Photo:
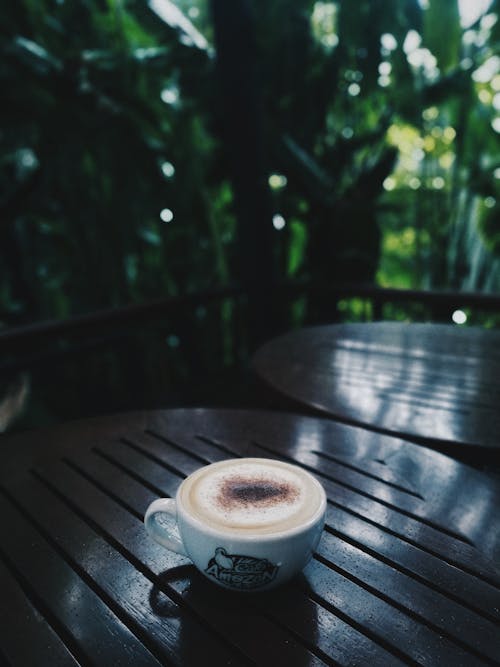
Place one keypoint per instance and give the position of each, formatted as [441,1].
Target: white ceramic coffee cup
[242,559]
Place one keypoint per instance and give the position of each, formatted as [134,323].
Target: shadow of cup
[250,624]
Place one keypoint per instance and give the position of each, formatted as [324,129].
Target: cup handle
[168,536]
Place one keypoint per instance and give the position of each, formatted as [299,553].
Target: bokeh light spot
[278,221]
[166,215]
[459,317]
[277,181]
[168,169]
[389,183]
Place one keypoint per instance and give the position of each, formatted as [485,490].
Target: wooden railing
[102,321]
[438,301]
[115,321]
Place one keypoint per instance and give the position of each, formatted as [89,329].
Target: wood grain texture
[401,576]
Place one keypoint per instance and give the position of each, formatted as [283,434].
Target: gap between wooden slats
[91,472]
[117,533]
[135,463]
[407,506]
[437,543]
[342,483]
[24,628]
[447,547]
[420,580]
[161,634]
[366,473]
[277,454]
[358,641]
[135,466]
[105,634]
[471,632]
[460,587]
[372,614]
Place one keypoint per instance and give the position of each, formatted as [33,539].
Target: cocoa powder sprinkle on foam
[241,492]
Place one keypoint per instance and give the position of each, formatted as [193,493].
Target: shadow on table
[253,624]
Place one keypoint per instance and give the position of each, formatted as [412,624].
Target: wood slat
[30,629]
[333,633]
[125,588]
[414,597]
[427,380]
[410,529]
[92,632]
[431,570]
[425,604]
[295,611]
[416,641]
[425,536]
[128,535]
[396,579]
[400,553]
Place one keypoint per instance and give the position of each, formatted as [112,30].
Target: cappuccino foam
[257,495]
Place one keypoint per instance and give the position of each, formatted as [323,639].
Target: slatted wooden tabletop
[426,380]
[405,572]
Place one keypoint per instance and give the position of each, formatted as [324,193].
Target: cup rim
[240,535]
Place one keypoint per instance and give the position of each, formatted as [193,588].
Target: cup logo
[243,572]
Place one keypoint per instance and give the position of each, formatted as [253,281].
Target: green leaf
[298,243]
[168,12]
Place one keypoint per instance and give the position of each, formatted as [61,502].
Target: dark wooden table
[404,574]
[425,380]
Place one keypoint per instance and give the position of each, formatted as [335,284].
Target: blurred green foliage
[97,142]
[380,128]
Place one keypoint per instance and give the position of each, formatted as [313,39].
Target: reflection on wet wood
[426,380]
[404,573]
